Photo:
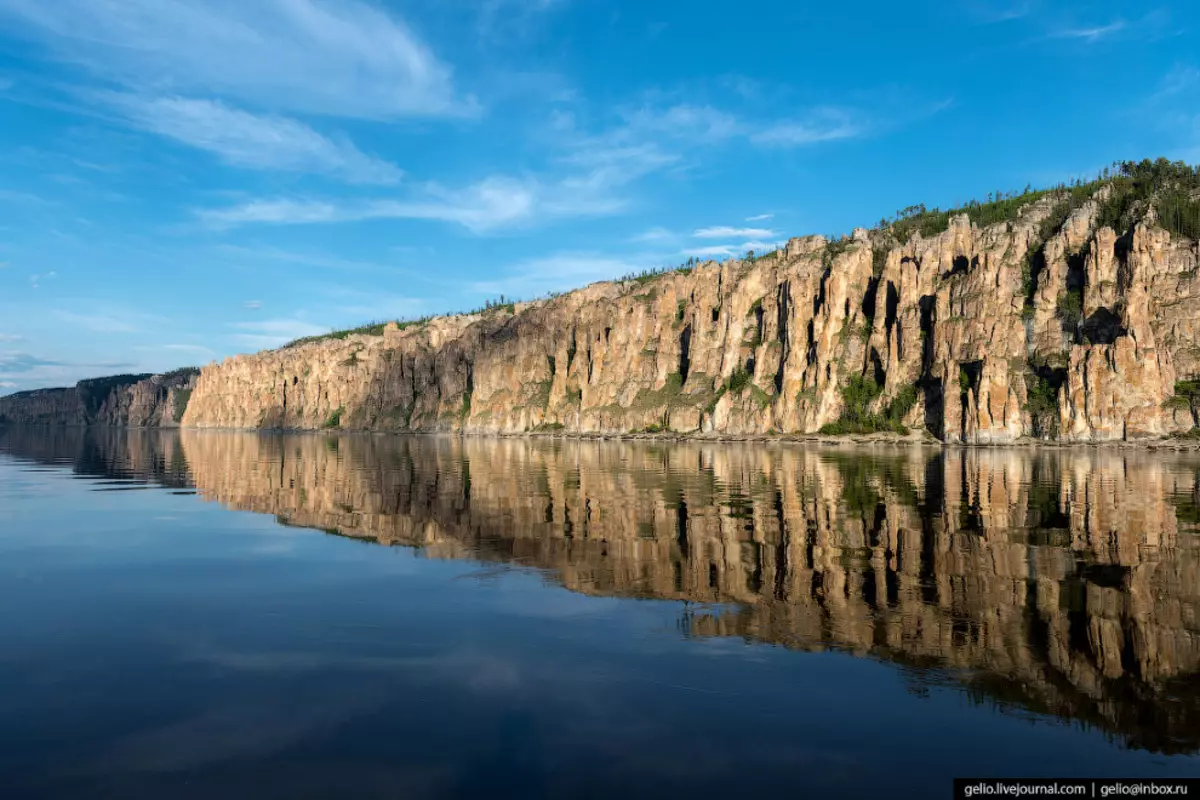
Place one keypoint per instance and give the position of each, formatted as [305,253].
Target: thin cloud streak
[725,232]
[337,57]
[252,141]
[1091,34]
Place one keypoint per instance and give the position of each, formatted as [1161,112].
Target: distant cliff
[1069,314]
[139,401]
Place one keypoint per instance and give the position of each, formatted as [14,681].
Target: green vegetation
[181,399]
[182,372]
[94,391]
[680,311]
[548,427]
[352,361]
[762,398]
[334,420]
[711,406]
[1070,308]
[738,381]
[835,248]
[1172,187]
[878,260]
[858,395]
[647,275]
[541,394]
[1042,385]
[1187,395]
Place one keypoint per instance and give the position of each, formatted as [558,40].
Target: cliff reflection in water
[1065,583]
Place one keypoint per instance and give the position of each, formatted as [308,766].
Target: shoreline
[1177,444]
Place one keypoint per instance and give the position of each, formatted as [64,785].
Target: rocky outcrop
[1064,583]
[970,322]
[139,401]
[1044,324]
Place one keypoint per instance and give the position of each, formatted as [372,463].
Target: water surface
[204,614]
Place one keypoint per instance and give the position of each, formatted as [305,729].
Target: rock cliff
[138,401]
[1068,314]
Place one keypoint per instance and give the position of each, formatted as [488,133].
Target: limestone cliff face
[139,401]
[971,321]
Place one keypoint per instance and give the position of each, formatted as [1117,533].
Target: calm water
[234,615]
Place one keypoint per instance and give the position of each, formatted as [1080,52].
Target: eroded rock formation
[137,401]
[1045,324]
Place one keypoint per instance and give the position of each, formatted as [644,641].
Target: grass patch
[334,420]
[858,395]
[181,399]
[738,381]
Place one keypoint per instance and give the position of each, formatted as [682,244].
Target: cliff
[1068,314]
[1064,583]
[139,401]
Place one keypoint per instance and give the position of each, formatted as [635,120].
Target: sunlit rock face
[1047,325]
[958,321]
[1063,582]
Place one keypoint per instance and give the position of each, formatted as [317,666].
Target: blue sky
[187,179]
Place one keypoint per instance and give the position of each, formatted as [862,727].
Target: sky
[184,180]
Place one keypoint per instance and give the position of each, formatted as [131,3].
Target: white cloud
[7,385]
[1090,34]
[707,252]
[653,235]
[37,280]
[760,218]
[247,140]
[821,125]
[253,305]
[732,250]
[492,203]
[100,323]
[275,332]
[11,337]
[560,272]
[725,232]
[340,57]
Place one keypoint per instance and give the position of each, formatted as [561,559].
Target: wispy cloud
[7,385]
[13,362]
[989,13]
[731,250]
[339,57]
[99,323]
[494,202]
[241,139]
[38,279]
[559,272]
[653,235]
[274,332]
[253,305]
[1090,34]
[11,337]
[820,125]
[725,232]
[708,252]
[760,218]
